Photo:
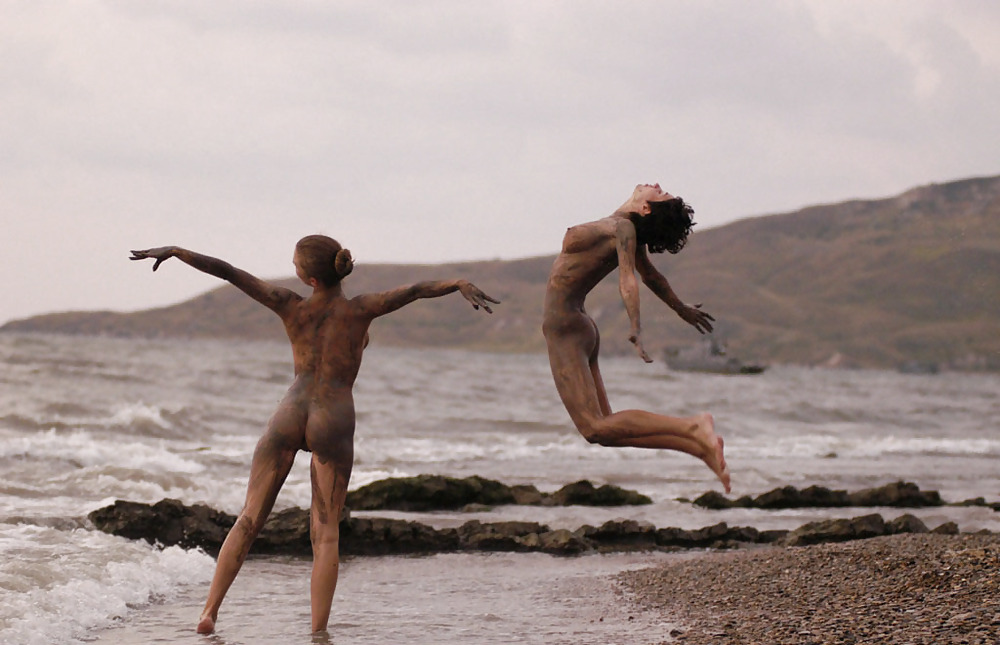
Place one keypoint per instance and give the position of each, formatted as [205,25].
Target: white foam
[137,413]
[83,448]
[94,581]
[853,445]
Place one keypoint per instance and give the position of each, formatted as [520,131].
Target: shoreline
[908,588]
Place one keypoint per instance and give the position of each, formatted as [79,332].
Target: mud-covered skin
[328,333]
[590,252]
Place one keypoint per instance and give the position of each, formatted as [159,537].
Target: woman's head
[666,226]
[322,258]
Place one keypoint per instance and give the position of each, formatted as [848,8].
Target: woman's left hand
[693,315]
[475,295]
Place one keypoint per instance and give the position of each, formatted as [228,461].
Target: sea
[85,421]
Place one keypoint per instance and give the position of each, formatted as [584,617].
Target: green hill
[870,283]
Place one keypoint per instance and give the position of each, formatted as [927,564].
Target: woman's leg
[272,459]
[573,359]
[329,481]
[330,435]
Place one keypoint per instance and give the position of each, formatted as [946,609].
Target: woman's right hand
[159,254]
[636,340]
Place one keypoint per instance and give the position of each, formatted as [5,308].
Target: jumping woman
[650,219]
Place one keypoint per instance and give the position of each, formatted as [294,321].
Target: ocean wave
[867,446]
[96,581]
[82,448]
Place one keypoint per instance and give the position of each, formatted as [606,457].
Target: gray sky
[448,130]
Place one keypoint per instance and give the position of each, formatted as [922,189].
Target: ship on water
[709,356]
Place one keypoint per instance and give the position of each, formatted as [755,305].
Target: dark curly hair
[323,258]
[666,227]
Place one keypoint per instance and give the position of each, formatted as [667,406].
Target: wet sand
[904,589]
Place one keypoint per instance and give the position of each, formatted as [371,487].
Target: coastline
[909,588]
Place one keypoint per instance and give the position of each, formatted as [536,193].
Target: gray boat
[710,357]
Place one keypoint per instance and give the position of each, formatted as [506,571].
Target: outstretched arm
[274,298]
[627,284]
[657,283]
[380,304]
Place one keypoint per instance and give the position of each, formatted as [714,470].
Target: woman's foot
[714,447]
[207,624]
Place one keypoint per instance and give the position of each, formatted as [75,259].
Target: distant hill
[870,283]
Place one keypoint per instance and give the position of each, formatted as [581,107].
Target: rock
[838,530]
[381,536]
[428,493]
[167,522]
[564,542]
[434,492]
[526,495]
[714,501]
[583,493]
[286,531]
[979,501]
[898,494]
[500,536]
[786,497]
[716,536]
[622,535]
[948,528]
[906,524]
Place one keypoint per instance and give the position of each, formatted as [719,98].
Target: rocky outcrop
[169,522]
[894,495]
[434,492]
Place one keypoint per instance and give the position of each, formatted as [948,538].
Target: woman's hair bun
[344,263]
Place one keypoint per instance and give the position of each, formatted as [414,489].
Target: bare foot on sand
[715,457]
[206,625]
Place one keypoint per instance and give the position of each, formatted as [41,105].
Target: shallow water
[85,421]
[449,598]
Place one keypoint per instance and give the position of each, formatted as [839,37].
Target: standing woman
[328,332]
[651,219]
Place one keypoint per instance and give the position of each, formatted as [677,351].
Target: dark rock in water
[716,501]
[526,495]
[564,542]
[434,492]
[501,536]
[622,535]
[428,493]
[167,522]
[381,536]
[838,530]
[583,493]
[897,494]
[979,501]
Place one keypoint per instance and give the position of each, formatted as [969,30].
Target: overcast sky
[448,130]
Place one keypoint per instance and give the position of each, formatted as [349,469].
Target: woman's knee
[325,530]
[248,525]
[595,431]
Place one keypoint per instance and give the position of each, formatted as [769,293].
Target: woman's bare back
[328,333]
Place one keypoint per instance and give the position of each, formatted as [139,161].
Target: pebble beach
[904,589]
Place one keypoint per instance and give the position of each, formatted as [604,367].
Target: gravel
[902,589]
